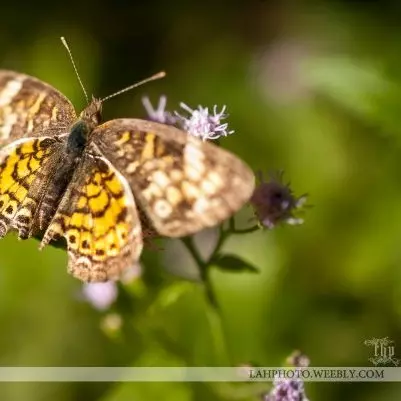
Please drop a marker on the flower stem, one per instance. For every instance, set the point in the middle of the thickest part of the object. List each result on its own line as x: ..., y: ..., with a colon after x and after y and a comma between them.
x: 203, y: 269
x: 204, y: 265
x: 189, y: 244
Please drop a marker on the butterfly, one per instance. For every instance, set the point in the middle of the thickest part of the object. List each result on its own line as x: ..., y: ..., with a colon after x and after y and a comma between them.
x: 100, y: 186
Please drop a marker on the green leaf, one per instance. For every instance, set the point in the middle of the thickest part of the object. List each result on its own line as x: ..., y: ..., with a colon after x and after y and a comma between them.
x: 169, y: 295
x: 233, y: 263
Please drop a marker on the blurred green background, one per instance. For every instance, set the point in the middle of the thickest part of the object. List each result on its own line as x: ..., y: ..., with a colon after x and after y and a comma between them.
x: 313, y: 88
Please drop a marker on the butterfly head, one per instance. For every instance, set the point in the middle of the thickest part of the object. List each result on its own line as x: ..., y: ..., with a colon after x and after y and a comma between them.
x: 88, y: 120
x: 92, y: 114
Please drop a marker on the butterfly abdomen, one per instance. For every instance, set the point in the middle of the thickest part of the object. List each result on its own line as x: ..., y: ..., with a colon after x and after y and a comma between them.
x: 52, y: 194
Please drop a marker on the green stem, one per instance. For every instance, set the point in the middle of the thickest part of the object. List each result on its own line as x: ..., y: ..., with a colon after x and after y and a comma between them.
x: 203, y: 269
x: 223, y: 235
x: 189, y: 243
x: 204, y: 265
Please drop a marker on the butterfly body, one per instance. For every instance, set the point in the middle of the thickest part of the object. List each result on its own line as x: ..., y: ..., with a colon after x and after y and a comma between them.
x: 78, y: 138
x: 99, y: 186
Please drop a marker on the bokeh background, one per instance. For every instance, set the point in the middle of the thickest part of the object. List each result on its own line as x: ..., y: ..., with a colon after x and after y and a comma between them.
x: 313, y: 88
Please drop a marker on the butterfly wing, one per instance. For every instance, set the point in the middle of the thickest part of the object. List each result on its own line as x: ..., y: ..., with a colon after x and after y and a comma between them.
x: 26, y: 167
x: 98, y: 218
x: 181, y: 183
x: 31, y: 108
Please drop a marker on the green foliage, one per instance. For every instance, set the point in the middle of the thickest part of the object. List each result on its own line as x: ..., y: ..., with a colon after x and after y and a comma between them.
x: 234, y: 264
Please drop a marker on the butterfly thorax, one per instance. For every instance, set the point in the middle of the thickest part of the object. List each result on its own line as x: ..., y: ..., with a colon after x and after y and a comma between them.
x: 88, y: 120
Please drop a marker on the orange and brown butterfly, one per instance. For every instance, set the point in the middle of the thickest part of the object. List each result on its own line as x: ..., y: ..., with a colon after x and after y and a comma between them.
x: 99, y: 186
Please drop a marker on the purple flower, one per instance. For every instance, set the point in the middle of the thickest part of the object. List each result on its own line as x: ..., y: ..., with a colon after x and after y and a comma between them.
x: 199, y: 123
x: 289, y: 389
x: 204, y: 125
x: 159, y: 114
x: 274, y: 202
x: 100, y: 295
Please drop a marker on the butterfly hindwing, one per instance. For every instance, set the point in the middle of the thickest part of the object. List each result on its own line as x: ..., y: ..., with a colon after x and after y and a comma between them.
x: 30, y: 108
x: 98, y: 218
x: 182, y: 184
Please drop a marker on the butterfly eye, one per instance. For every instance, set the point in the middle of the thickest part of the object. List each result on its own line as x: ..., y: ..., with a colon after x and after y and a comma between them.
x: 92, y: 114
x: 95, y: 110
x: 97, y: 117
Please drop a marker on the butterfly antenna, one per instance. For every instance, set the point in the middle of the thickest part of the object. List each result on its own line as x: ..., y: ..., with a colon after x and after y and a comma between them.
x: 159, y: 75
x: 64, y: 42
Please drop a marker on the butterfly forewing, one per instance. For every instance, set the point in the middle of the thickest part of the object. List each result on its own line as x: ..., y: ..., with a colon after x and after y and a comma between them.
x: 31, y: 108
x: 183, y: 184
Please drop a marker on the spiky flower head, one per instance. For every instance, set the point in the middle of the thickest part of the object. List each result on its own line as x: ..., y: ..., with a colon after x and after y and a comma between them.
x: 202, y: 124
x: 274, y: 202
x: 289, y: 389
x: 199, y: 122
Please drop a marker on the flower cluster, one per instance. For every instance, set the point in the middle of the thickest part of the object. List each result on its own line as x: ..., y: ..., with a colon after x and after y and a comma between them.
x: 289, y: 389
x: 202, y: 124
x: 274, y: 202
x: 199, y: 122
